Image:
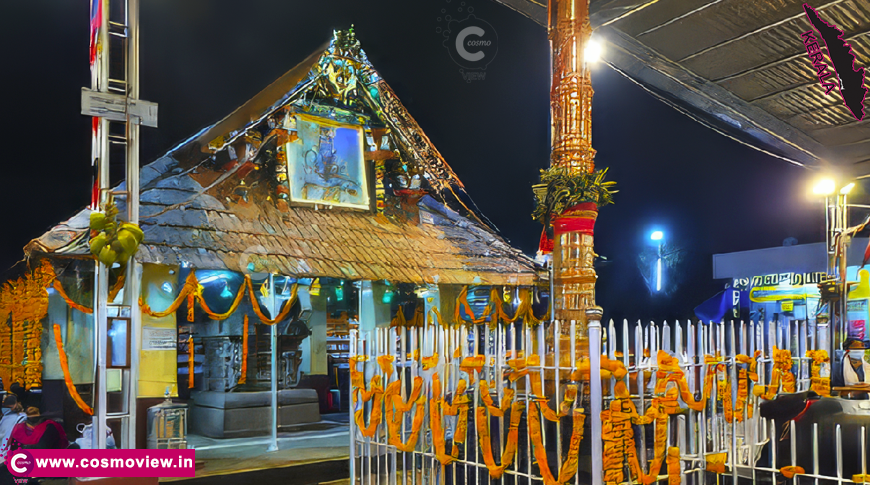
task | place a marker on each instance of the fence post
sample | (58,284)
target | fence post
(593,317)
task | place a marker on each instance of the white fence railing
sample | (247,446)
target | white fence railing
(424,397)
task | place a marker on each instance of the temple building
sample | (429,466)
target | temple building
(317,207)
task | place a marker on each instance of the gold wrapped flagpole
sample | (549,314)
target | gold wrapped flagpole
(571,118)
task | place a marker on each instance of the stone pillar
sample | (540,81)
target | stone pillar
(571,114)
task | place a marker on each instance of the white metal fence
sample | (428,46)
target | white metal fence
(448,365)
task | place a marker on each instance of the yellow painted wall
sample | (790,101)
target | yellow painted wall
(158,369)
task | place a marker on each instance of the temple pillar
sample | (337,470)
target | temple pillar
(571,118)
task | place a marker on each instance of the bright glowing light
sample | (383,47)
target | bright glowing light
(592,53)
(824,187)
(659,274)
(657,235)
(848,188)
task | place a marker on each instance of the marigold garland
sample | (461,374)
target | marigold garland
(820,385)
(494,310)
(506,399)
(190,362)
(60,291)
(64,365)
(715,462)
(781,374)
(416,321)
(359,392)
(483,436)
(569,466)
(438,408)
(33,368)
(618,435)
(113,292)
(790,471)
(385,362)
(430,362)
(192,291)
(394,402)
(534,360)
(243,373)
(471,364)
(673,462)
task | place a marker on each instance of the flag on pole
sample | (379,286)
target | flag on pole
(96,23)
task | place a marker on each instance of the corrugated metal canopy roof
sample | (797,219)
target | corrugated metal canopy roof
(739,66)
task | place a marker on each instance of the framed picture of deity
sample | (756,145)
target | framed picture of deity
(325,162)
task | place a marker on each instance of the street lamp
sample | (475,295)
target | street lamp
(836,213)
(658,236)
(592,52)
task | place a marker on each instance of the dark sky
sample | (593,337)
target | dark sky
(200,59)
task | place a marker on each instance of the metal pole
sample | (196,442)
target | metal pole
(100,83)
(352,352)
(593,317)
(273,446)
(134,268)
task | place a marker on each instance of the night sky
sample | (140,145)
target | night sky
(200,59)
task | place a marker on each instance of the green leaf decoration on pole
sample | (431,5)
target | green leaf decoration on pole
(560,190)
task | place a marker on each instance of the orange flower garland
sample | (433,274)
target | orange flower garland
(358,392)
(673,461)
(33,368)
(462,312)
(781,374)
(438,408)
(243,373)
(113,292)
(569,466)
(394,400)
(64,365)
(483,436)
(190,362)
(534,360)
(497,411)
(192,291)
(60,291)
(820,385)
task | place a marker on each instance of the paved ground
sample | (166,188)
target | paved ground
(326,472)
(303,458)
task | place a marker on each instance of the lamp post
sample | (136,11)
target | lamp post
(836,222)
(659,237)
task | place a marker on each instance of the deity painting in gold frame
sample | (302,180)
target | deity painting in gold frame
(325,163)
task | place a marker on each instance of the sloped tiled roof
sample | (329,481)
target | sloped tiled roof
(341,243)
(187,219)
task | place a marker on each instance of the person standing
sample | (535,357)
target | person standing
(13,414)
(856,370)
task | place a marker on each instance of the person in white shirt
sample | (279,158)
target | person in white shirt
(856,370)
(13,414)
